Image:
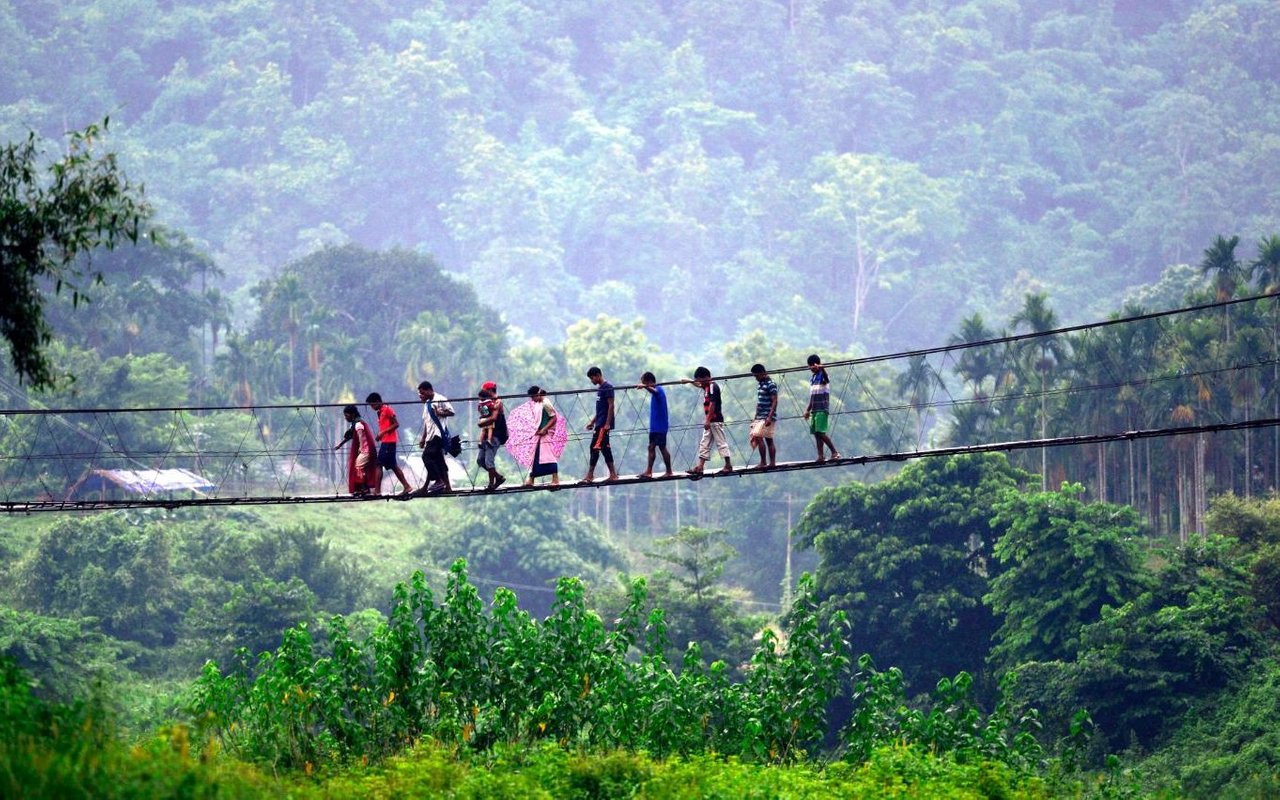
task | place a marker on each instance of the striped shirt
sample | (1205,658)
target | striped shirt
(819,391)
(765,392)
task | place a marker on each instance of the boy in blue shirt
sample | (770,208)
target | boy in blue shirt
(658,424)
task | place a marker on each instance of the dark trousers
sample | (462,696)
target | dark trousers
(433,460)
(600,446)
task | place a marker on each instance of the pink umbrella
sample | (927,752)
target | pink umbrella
(522,423)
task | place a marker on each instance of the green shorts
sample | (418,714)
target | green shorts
(818,422)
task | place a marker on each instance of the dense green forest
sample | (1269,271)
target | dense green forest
(343,198)
(877,170)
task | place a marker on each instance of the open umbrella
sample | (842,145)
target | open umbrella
(522,423)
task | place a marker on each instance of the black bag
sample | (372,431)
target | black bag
(452,444)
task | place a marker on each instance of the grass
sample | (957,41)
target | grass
(166,765)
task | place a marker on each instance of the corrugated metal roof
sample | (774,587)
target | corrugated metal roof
(146,481)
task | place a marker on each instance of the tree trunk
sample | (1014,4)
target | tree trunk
(1201,502)
(1248,453)
(1102,472)
(1133,495)
(1182,498)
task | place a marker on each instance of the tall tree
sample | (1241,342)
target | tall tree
(1044,354)
(909,560)
(49,219)
(917,382)
(1222,266)
(1062,561)
(870,219)
(1265,269)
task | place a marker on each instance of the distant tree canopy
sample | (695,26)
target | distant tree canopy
(895,167)
(345,321)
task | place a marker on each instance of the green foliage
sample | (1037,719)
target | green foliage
(107,569)
(952,723)
(621,349)
(50,750)
(38,445)
(49,221)
(67,657)
(697,605)
(166,593)
(1229,746)
(1064,561)
(908,561)
(528,540)
(1190,634)
(244,588)
(314,335)
(76,749)
(452,672)
(156,297)
(711,154)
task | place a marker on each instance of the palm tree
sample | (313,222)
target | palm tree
(916,384)
(1045,354)
(1247,351)
(1134,352)
(1265,269)
(233,368)
(975,364)
(290,299)
(1221,264)
(1094,367)
(970,423)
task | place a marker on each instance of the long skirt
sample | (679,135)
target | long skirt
(539,468)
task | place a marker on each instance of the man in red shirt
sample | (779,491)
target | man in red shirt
(388,426)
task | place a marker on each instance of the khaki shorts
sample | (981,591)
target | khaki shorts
(760,429)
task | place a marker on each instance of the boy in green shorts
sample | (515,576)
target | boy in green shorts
(818,410)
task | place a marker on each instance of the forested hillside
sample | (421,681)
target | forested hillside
(348,197)
(844,173)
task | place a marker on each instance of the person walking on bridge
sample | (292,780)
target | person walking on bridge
(817,412)
(766,415)
(601,424)
(712,423)
(388,435)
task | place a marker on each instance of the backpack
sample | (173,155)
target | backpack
(500,432)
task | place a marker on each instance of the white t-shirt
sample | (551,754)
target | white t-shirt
(442,406)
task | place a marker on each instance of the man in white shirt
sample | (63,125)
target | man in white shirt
(435,409)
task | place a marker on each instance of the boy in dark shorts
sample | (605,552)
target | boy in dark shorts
(388,434)
(658,424)
(601,423)
(818,409)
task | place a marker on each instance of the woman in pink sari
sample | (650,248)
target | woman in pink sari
(363,475)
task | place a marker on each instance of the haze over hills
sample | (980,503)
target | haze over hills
(851,174)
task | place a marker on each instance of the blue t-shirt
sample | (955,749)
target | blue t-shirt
(604,393)
(658,411)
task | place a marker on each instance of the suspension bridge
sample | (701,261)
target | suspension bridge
(89,459)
